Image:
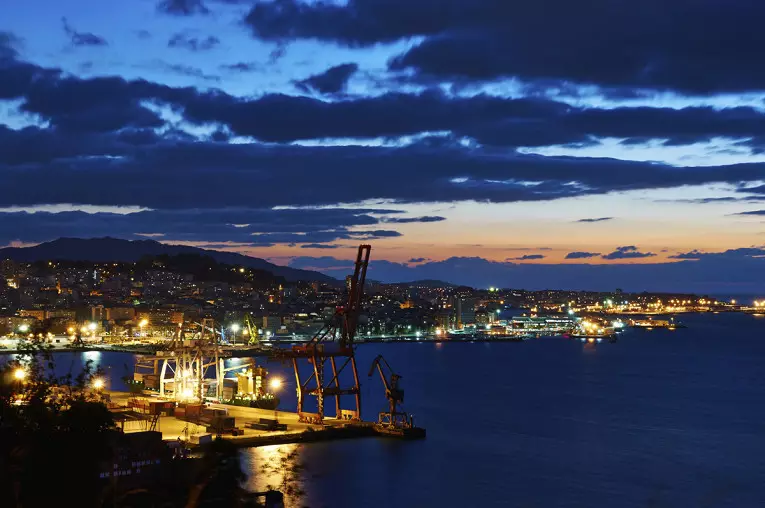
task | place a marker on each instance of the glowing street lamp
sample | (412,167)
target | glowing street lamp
(234,328)
(275,384)
(141,325)
(92,326)
(19,374)
(24,328)
(98,383)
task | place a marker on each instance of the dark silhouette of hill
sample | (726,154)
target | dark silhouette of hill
(116,250)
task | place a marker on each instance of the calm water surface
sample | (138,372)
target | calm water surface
(658,419)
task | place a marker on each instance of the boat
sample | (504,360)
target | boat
(650,324)
(399,431)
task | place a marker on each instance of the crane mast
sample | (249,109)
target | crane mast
(324,349)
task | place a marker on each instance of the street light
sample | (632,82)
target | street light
(98,383)
(234,328)
(275,384)
(19,374)
(24,328)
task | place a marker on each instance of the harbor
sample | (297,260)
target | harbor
(190,393)
(242,426)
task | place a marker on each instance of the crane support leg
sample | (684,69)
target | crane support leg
(357,386)
(300,387)
(337,385)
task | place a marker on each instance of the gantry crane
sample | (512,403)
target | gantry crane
(334,342)
(394,418)
(182,367)
(252,330)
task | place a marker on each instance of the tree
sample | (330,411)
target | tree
(55,434)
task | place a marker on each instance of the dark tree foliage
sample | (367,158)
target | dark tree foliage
(55,435)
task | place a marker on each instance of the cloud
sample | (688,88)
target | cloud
(182,7)
(730,254)
(82,38)
(418,260)
(119,149)
(705,201)
(192,43)
(245,226)
(277,53)
(143,34)
(582,255)
(186,70)
(744,275)
(243,67)
(627,252)
(319,246)
(490,121)
(9,44)
(752,212)
(562,41)
(331,81)
(527,257)
(599,219)
(408,220)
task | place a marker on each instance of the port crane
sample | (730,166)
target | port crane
(182,367)
(332,345)
(394,419)
(252,330)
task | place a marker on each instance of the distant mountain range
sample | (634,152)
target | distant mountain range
(116,250)
(425,283)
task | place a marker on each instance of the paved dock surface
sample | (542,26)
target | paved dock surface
(172,428)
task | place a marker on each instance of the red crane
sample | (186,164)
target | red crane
(334,342)
(394,422)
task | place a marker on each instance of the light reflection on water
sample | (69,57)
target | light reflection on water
(277,467)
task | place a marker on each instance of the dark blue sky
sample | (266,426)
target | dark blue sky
(541,137)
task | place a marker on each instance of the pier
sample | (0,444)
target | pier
(193,433)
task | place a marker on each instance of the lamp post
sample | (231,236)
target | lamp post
(234,328)
(19,375)
(141,325)
(275,385)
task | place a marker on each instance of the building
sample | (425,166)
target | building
(39,315)
(120,313)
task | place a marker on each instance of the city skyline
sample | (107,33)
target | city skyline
(293,131)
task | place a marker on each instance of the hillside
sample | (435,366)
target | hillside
(116,250)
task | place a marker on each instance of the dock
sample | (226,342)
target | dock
(194,434)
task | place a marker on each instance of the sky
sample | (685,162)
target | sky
(548,142)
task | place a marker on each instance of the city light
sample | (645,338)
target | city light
(98,383)
(24,328)
(188,393)
(19,374)
(235,327)
(275,383)
(143,323)
(70,330)
(92,327)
